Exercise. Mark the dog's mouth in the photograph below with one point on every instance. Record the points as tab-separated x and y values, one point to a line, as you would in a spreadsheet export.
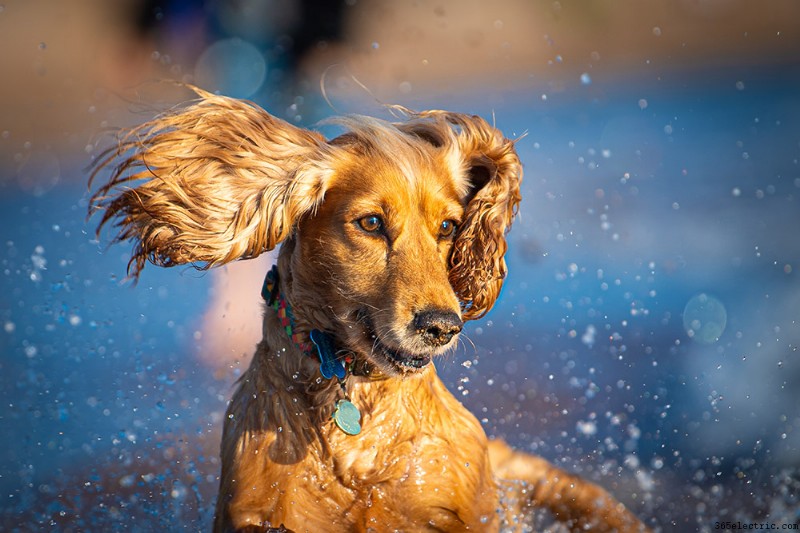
404	359
381	354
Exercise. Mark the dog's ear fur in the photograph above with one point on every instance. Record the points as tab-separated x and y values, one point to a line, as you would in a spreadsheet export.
210	183
478	265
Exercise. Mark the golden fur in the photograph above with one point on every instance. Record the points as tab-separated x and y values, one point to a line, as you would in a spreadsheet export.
369	255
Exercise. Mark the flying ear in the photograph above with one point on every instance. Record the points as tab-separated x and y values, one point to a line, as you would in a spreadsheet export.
478	265
213	182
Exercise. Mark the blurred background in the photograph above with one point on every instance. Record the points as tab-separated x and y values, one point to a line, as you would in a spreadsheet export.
647	337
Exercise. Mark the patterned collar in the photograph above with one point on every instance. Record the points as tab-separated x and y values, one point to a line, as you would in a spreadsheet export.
319	344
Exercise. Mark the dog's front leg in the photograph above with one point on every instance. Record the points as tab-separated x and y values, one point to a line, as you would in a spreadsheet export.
569	498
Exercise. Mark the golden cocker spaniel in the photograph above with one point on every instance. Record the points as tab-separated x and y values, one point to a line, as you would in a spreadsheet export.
393	235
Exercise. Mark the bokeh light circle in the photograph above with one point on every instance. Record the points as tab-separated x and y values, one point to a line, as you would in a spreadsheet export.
704	318
39	173
231	66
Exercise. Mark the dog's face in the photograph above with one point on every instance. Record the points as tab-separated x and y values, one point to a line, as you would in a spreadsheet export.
377	253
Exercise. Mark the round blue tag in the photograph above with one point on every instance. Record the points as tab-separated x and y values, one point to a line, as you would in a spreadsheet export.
347	416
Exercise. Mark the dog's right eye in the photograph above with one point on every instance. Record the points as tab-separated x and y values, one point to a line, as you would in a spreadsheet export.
371	223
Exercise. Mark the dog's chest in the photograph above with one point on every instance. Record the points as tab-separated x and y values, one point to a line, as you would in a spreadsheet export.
420	451
418	460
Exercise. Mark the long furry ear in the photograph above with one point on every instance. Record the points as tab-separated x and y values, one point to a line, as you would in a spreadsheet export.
213	182
478	265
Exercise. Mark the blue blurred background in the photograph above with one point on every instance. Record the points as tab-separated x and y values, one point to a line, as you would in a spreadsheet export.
647	336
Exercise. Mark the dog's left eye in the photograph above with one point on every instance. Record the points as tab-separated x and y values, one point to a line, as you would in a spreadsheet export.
371	223
447	229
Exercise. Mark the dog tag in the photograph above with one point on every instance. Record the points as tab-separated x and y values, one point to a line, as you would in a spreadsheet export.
329	364
347	416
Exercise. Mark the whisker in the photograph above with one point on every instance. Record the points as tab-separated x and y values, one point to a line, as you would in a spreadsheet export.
466	337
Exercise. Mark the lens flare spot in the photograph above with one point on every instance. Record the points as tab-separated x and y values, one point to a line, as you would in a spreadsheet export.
704	318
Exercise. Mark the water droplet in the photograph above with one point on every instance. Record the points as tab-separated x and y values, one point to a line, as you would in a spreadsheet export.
588	337
586	428
586	79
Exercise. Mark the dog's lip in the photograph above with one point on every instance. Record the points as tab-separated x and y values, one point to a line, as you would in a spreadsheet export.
406	361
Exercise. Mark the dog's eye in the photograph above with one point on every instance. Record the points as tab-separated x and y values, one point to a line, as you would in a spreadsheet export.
371	223
447	229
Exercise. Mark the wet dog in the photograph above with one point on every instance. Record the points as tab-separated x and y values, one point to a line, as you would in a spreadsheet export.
393	235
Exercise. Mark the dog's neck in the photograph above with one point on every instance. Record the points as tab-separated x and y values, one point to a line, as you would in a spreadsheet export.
314	343
312	356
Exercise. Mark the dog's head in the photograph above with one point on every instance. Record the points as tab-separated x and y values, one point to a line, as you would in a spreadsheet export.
398	229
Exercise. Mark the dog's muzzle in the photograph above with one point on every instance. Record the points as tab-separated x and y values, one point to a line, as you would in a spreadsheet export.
434	328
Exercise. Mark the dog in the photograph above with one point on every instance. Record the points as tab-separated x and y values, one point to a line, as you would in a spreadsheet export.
393	235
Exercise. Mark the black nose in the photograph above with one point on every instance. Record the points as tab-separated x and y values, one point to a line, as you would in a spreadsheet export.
437	327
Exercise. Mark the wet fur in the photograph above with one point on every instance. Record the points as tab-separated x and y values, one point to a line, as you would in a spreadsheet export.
220	180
